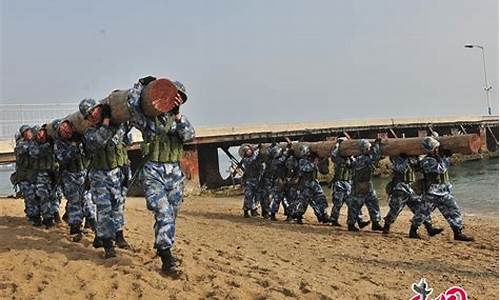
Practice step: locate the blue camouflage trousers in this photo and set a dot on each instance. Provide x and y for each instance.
(72, 183)
(311, 193)
(57, 194)
(250, 186)
(89, 207)
(279, 196)
(163, 185)
(31, 203)
(340, 195)
(107, 191)
(44, 193)
(447, 205)
(402, 195)
(264, 191)
(356, 203)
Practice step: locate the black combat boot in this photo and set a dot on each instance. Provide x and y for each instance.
(414, 232)
(459, 236)
(387, 228)
(97, 243)
(109, 248)
(48, 222)
(335, 222)
(246, 213)
(36, 221)
(299, 220)
(65, 217)
(120, 240)
(363, 224)
(376, 226)
(432, 231)
(352, 227)
(167, 260)
(76, 231)
(254, 212)
(288, 218)
(273, 217)
(92, 223)
(57, 217)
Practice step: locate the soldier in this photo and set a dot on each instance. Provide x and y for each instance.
(72, 165)
(24, 175)
(310, 191)
(104, 143)
(45, 168)
(252, 172)
(162, 177)
(341, 186)
(437, 192)
(265, 184)
(291, 184)
(362, 192)
(401, 192)
(278, 171)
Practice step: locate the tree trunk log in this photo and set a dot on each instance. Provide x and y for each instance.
(156, 98)
(464, 144)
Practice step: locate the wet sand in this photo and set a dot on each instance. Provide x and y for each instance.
(224, 256)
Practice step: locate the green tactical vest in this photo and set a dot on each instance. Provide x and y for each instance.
(434, 178)
(164, 149)
(45, 163)
(76, 165)
(364, 175)
(342, 173)
(408, 176)
(110, 157)
(23, 168)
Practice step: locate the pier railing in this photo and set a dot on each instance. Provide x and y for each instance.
(12, 116)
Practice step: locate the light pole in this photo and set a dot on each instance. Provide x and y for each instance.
(487, 86)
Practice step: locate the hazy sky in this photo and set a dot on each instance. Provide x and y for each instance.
(257, 61)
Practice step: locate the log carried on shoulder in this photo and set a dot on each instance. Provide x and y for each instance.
(156, 98)
(464, 144)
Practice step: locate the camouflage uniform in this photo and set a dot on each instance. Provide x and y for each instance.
(162, 177)
(310, 191)
(89, 207)
(279, 170)
(438, 193)
(70, 157)
(400, 189)
(25, 178)
(250, 179)
(109, 155)
(265, 184)
(44, 162)
(292, 183)
(341, 186)
(362, 192)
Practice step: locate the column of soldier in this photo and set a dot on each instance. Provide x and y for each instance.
(92, 171)
(275, 176)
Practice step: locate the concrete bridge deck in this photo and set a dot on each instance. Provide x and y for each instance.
(201, 159)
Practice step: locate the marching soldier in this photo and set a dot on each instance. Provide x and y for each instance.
(104, 143)
(252, 172)
(437, 192)
(162, 177)
(363, 193)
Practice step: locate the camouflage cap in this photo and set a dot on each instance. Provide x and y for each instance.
(86, 105)
(429, 143)
(182, 90)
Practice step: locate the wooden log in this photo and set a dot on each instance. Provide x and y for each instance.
(156, 98)
(464, 144)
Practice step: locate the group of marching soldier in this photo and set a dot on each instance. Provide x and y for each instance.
(276, 175)
(92, 171)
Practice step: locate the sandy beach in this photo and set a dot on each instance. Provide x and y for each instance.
(224, 256)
